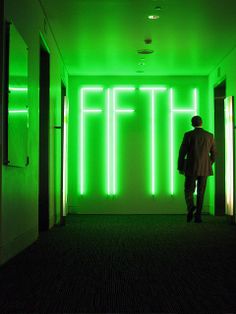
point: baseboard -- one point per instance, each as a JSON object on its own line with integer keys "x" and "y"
{"x": 17, "y": 245}
{"x": 77, "y": 210}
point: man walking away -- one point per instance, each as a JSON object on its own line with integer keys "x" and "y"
{"x": 196, "y": 156}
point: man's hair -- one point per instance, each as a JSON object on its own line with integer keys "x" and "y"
{"x": 196, "y": 121}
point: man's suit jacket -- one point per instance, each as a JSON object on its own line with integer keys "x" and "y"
{"x": 198, "y": 147}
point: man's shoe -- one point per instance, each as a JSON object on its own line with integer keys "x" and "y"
{"x": 190, "y": 214}
{"x": 197, "y": 218}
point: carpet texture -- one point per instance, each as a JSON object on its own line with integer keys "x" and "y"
{"x": 125, "y": 263}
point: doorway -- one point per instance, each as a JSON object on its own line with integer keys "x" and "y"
{"x": 1, "y": 100}
{"x": 60, "y": 169}
{"x": 44, "y": 101}
{"x": 219, "y": 96}
{"x": 63, "y": 154}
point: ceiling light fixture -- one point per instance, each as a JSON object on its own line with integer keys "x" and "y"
{"x": 145, "y": 51}
{"x": 148, "y": 41}
{"x": 153, "y": 17}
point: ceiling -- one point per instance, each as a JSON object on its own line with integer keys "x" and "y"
{"x": 101, "y": 37}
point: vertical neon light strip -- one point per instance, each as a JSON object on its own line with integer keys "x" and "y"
{"x": 171, "y": 144}
{"x": 153, "y": 145}
{"x": 195, "y": 97}
{"x": 84, "y": 111}
{"x": 181, "y": 111}
{"x": 108, "y": 141}
{"x": 81, "y": 143}
{"x": 229, "y": 159}
{"x": 65, "y": 157}
{"x": 114, "y": 142}
{"x": 116, "y": 111}
{"x": 153, "y": 135}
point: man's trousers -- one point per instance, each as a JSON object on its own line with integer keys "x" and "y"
{"x": 189, "y": 188}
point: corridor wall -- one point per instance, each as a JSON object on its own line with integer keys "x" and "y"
{"x": 19, "y": 207}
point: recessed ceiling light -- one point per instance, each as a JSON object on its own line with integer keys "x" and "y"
{"x": 148, "y": 41}
{"x": 145, "y": 51}
{"x": 153, "y": 17}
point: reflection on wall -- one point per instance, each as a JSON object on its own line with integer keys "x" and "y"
{"x": 18, "y": 115}
{"x": 229, "y": 156}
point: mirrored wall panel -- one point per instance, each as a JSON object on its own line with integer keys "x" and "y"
{"x": 18, "y": 110}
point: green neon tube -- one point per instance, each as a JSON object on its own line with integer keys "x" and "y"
{"x": 18, "y": 89}
{"x": 108, "y": 141}
{"x": 153, "y": 91}
{"x": 23, "y": 111}
{"x": 171, "y": 144}
{"x": 229, "y": 156}
{"x": 83, "y": 112}
{"x": 65, "y": 155}
{"x": 115, "y": 112}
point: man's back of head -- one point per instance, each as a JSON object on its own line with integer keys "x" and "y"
{"x": 196, "y": 121}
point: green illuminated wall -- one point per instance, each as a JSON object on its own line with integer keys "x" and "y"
{"x": 124, "y": 136}
{"x": 19, "y": 203}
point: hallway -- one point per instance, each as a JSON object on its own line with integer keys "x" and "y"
{"x": 125, "y": 263}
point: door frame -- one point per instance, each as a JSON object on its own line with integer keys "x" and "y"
{"x": 219, "y": 132}
{"x": 44, "y": 138}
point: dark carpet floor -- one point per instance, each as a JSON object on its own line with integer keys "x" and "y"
{"x": 125, "y": 263}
